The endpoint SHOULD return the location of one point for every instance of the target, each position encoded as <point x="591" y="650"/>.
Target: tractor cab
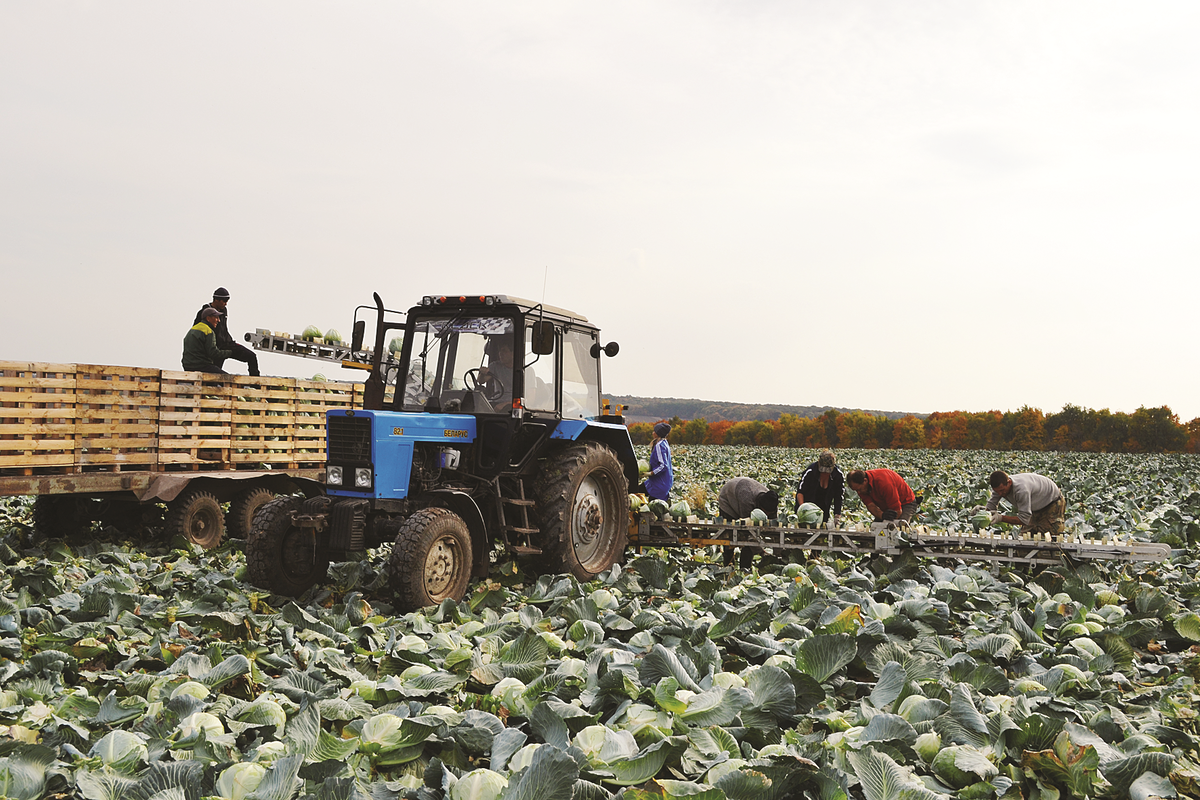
<point x="494" y="354"/>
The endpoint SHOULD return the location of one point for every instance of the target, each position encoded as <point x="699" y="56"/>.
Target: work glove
<point x="976" y="509"/>
<point x="996" y="517"/>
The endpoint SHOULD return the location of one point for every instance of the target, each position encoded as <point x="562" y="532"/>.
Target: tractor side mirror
<point x="610" y="349"/>
<point x="360" y="332"/>
<point x="542" y="342"/>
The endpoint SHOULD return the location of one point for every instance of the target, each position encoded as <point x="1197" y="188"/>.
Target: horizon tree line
<point x="1073" y="429"/>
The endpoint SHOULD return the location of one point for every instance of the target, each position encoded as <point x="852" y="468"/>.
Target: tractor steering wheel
<point x="492" y="389"/>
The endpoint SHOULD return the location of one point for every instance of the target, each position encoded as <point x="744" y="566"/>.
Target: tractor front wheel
<point x="583" y="506"/>
<point x="196" y="516"/>
<point x="282" y="556"/>
<point x="431" y="559"/>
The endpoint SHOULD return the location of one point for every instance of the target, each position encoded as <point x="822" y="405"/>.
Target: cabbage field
<point x="143" y="669"/>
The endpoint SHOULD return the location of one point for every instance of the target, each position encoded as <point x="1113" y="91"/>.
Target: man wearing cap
<point x="238" y="352"/>
<point x="200" y="351"/>
<point x="823" y="484"/>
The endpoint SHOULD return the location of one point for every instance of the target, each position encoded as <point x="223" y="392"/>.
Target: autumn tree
<point x="908" y="433"/>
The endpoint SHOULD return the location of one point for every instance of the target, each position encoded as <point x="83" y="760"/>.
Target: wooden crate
<point x="116" y="423"/>
<point x="37" y="418"/>
<point x="264" y="419"/>
<point x="74" y="418"/>
<point x="313" y="400"/>
<point x="194" y="421"/>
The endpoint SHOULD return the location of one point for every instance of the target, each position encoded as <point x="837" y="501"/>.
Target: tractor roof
<point x="488" y="300"/>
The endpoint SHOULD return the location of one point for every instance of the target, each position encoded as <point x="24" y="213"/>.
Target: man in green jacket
<point x="200" y="351"/>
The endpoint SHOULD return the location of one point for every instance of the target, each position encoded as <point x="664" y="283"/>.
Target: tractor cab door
<point x="566" y="381"/>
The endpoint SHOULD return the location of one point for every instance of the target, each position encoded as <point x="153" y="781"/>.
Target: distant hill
<point x="652" y="409"/>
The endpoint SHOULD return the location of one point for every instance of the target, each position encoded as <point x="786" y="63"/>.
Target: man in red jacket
<point x="884" y="493"/>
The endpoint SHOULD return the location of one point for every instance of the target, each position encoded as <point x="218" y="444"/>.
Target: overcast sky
<point x="917" y="206"/>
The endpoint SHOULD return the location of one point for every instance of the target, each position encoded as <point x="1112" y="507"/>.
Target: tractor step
<point x="522" y="550"/>
<point x="526" y="531"/>
<point x="512" y="501"/>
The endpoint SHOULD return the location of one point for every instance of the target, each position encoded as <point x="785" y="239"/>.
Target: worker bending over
<point x="1038" y="504"/>
<point x="884" y="493"/>
<point x="740" y="496"/>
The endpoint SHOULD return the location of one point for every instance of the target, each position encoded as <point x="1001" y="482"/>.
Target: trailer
<point x="110" y="442"/>
<point x="889" y="538"/>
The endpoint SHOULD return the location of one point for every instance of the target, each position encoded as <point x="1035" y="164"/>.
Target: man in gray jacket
<point x="1038" y="504"/>
<point x="740" y="496"/>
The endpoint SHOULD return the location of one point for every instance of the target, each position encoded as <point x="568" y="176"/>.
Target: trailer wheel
<point x="196" y="516"/>
<point x="62" y="516"/>
<point x="431" y="559"/>
<point x="583" y="507"/>
<point x="240" y="519"/>
<point x="283" y="557"/>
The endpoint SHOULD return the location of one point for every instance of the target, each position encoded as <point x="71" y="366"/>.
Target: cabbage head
<point x="311" y="333"/>
<point x="602" y="745"/>
<point x="962" y="765"/>
<point x="809" y="514"/>
<point x="479" y="784"/>
<point x="522" y="758"/>
<point x="191" y="727"/>
<point x="381" y="732"/>
<point x="191" y="689"/>
<point x="264" y="711"/>
<point x="332" y="336"/>
<point x="240" y="780"/>
<point x="121" y="750"/>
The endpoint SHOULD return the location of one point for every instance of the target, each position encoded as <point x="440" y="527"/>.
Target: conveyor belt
<point x="887" y="538"/>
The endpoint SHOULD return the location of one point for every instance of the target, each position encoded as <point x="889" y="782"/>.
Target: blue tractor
<point x="488" y="434"/>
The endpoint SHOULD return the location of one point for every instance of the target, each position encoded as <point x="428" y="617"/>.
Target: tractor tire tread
<point x="415" y="535"/>
<point x="555" y="492"/>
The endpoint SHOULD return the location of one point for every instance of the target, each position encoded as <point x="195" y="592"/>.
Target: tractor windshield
<point x="461" y="363"/>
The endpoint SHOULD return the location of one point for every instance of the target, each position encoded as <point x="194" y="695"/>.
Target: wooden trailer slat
<point x="85" y="418"/>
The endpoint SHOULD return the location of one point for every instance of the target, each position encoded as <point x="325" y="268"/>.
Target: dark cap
<point x="220" y="293"/>
<point x="661" y="430"/>
<point x="209" y="311"/>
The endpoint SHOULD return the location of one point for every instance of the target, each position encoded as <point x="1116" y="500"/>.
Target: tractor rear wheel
<point x="240" y="519"/>
<point x="583" y="506"/>
<point x="196" y="516"/>
<point x="431" y="559"/>
<point x="282" y="556"/>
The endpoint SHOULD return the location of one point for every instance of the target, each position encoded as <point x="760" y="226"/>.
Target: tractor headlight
<point x="333" y="475"/>
<point x="362" y="477"/>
